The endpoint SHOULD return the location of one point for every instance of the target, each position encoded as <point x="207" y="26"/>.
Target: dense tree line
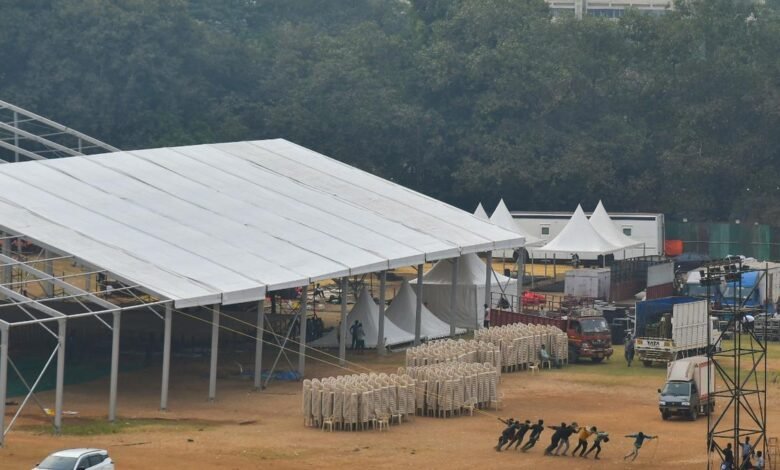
<point x="466" y="100"/>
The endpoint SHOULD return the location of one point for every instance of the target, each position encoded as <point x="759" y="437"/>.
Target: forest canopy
<point x="465" y="100"/>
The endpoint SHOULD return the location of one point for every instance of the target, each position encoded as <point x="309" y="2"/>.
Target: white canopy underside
<point x="224" y="223"/>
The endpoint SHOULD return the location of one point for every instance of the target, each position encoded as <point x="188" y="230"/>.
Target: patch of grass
<point x="97" y="427"/>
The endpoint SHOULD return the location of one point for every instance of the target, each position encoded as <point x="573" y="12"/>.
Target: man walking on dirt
<point x="639" y="438"/>
<point x="629" y="351"/>
<point x="536" y="433"/>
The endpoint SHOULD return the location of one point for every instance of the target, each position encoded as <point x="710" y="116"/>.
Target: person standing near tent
<point x="353" y="331"/>
<point x="486" y="321"/>
<point x="536" y="433"/>
<point x="639" y="439"/>
<point x="361" y="337"/>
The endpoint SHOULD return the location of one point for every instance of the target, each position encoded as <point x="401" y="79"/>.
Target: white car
<point x="77" y="459"/>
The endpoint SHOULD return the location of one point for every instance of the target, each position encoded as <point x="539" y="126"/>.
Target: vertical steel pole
<point x="488" y="290"/>
<point x="343" y="324"/>
<point x="259" y="344"/>
<point x="60" y="381"/>
<point x="16" y="136"/>
<point x="4" y="333"/>
<point x="380" y="340"/>
<point x="302" y="330"/>
<point x="520" y="276"/>
<point x="114" y="367"/>
<point x="166" y="364"/>
<point x="418" y="309"/>
<point x="48" y="267"/>
<point x="8" y="269"/>
<point x="214" y="353"/>
<point x="453" y="292"/>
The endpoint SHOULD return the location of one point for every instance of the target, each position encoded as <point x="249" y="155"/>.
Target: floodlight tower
<point x="739" y="365"/>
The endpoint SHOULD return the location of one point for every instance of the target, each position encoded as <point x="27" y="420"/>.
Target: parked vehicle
<point x="750" y="291"/>
<point x="672" y="328"/>
<point x="686" y="392"/>
<point x="589" y="335"/>
<point x="77" y="459"/>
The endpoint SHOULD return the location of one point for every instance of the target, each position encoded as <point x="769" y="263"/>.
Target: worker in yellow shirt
<point x="583" y="435"/>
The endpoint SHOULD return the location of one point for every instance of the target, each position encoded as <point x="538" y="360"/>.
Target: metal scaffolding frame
<point x="25" y="135"/>
<point x="741" y="369"/>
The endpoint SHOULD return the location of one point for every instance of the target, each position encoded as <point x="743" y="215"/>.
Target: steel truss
<point x="741" y="406"/>
<point x="20" y="275"/>
<point x="27" y="136"/>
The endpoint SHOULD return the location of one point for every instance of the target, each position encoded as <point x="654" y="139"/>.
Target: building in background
<point x="607" y="8"/>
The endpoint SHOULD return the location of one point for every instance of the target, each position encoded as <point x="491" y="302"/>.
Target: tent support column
<point x="60" y="380"/>
<point x="4" y="333"/>
<point x="114" y="366"/>
<point x="214" y="353"/>
<point x="520" y="277"/>
<point x="166" y="364"/>
<point x="48" y="268"/>
<point x="555" y="269"/>
<point x="453" y="291"/>
<point x="488" y="277"/>
<point x="343" y="323"/>
<point x="7" y="269"/>
<point x="533" y="265"/>
<point x="259" y="344"/>
<point x="302" y="332"/>
<point x="380" y="340"/>
<point x="418" y="307"/>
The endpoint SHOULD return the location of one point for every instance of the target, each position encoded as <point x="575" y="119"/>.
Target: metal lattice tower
<point x="740" y="366"/>
<point x="27" y="136"/>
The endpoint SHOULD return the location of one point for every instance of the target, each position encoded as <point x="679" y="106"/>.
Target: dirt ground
<point x="199" y="434"/>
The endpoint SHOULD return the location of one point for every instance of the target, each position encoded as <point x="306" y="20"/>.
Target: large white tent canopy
<point x="579" y="236"/>
<point x="224" y="223"/>
<point x="470" y="293"/>
<point x="603" y="224"/>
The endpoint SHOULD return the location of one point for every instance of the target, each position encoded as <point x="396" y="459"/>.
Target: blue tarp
<point x="650" y="311"/>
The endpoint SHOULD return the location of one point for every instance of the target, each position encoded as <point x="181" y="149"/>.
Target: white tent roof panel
<point x="579" y="236"/>
<point x="602" y="223"/>
<point x="225" y="222"/>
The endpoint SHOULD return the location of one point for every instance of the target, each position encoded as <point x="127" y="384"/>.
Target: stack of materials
<point x="520" y="343"/>
<point x="448" y="388"/>
<point x="450" y="350"/>
<point x="357" y="402"/>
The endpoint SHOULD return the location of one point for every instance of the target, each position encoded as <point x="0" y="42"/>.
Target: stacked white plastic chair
<point x="356" y="402"/>
<point x="519" y="343"/>
<point x="449" y="350"/>
<point x="447" y="388"/>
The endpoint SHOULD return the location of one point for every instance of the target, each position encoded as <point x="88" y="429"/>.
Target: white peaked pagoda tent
<point x="578" y="236"/>
<point x="402" y="312"/>
<point x="503" y="218"/>
<point x="603" y="224"/>
<point x="366" y="311"/>
<point x="480" y="213"/>
<point x="470" y="294"/>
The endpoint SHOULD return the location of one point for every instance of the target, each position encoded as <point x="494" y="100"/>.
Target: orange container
<point x="673" y="247"/>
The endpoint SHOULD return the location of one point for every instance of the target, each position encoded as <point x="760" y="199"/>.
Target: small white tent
<point x="578" y="236"/>
<point x="470" y="294"/>
<point x="480" y="213"/>
<point x="403" y="312"/>
<point x="503" y="218"/>
<point x="366" y="312"/>
<point x="603" y="224"/>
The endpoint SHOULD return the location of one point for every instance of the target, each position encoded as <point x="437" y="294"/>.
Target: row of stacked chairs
<point x="452" y="388"/>
<point x="450" y="350"/>
<point x="358" y="402"/>
<point x="520" y="344"/>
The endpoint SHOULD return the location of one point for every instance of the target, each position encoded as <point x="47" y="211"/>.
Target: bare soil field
<point x="246" y="429"/>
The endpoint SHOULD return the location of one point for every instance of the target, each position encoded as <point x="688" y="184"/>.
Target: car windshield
<point x="54" y="462"/>
<point x="594" y="325"/>
<point x="678" y="389"/>
<point x="697" y="290"/>
<point x="742" y="293"/>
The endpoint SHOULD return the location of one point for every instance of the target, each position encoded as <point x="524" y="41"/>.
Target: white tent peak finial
<point x="480" y="213"/>
<point x="603" y="224"/>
